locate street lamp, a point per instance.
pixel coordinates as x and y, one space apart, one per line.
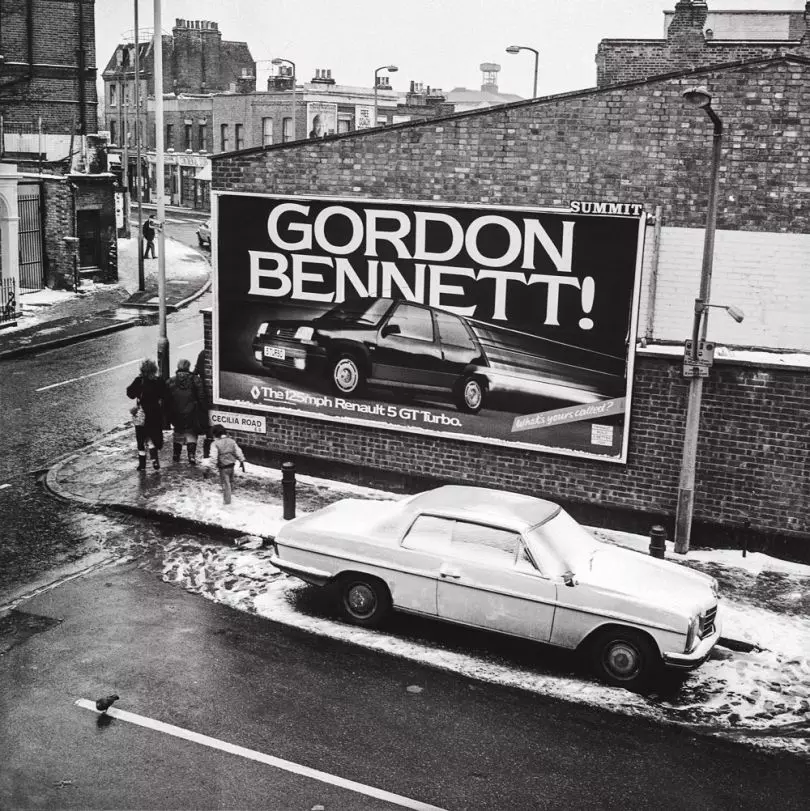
279 61
390 69
699 97
138 169
514 49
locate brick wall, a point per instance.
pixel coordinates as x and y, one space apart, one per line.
58 221
752 471
55 33
637 143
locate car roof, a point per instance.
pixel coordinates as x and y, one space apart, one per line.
485 504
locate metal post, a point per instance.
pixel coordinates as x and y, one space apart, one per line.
374 123
288 489
536 60
138 169
658 537
163 340
125 155
686 487
294 116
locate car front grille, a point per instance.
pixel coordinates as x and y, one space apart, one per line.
286 333
707 623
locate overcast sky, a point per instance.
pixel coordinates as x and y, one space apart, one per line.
440 43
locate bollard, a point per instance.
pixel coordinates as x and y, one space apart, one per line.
288 489
658 536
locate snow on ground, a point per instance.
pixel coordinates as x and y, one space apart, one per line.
761 697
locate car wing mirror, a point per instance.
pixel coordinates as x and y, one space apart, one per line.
569 579
391 329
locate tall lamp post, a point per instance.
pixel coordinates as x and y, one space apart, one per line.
280 61
138 168
390 69
163 340
514 49
698 97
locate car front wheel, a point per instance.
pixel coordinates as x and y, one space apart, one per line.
364 600
625 658
347 377
470 395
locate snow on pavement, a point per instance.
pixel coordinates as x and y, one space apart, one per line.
761 697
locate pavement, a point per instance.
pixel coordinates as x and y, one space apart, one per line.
754 689
53 318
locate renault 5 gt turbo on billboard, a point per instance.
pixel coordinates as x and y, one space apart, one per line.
501 324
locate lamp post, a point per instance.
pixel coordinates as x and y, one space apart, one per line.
390 69
280 61
698 97
138 169
513 49
163 340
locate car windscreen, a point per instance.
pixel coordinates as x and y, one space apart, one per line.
561 545
359 311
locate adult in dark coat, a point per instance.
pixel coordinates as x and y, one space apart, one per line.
204 425
185 402
149 237
149 390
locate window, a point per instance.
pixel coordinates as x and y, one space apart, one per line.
113 96
267 131
484 543
429 533
240 136
201 137
413 322
286 130
170 136
344 124
224 139
113 132
188 137
453 332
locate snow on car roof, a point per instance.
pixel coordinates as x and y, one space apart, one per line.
485 504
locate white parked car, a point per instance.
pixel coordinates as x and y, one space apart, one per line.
510 563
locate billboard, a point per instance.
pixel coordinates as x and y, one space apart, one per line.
505 325
321 119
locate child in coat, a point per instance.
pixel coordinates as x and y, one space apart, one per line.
224 455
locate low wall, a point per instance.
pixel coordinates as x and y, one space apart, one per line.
752 484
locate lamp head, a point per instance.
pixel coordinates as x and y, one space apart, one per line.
698 96
391 68
513 49
277 61
736 313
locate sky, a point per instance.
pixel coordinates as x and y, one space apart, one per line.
440 43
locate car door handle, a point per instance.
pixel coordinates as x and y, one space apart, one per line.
449 573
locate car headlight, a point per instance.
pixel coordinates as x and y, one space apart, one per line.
263 328
692 633
304 334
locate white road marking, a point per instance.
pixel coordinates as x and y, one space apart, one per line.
103 371
260 757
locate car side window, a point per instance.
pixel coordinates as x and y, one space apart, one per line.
413 322
452 331
524 561
429 534
484 543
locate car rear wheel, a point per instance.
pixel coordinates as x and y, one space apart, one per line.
347 376
365 600
625 658
470 395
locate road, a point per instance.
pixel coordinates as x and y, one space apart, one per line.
276 692
425 735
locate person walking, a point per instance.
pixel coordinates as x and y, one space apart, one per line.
204 419
185 400
149 392
149 236
224 455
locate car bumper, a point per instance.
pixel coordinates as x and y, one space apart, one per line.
316 577
296 357
689 661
